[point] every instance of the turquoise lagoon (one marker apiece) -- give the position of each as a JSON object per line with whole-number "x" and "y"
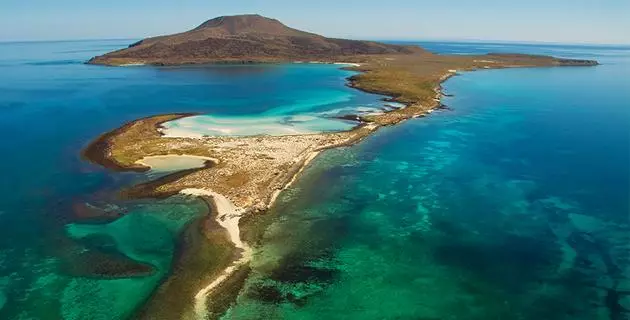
{"x": 511, "y": 205}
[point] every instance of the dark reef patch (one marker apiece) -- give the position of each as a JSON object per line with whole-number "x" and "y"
{"x": 297, "y": 272}
{"x": 510, "y": 261}
{"x": 103, "y": 260}
{"x": 86, "y": 212}
{"x": 267, "y": 293}
{"x": 202, "y": 252}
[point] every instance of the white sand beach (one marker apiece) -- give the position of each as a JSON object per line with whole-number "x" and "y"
{"x": 228, "y": 217}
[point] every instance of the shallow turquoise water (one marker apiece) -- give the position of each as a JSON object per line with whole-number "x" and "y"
{"x": 54, "y": 265}
{"x": 210, "y": 125}
{"x": 297, "y": 106}
{"x": 512, "y": 205}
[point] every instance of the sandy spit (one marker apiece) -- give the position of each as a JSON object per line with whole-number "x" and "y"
{"x": 228, "y": 217}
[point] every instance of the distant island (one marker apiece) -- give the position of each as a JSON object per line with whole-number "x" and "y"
{"x": 252, "y": 39}
{"x": 246, "y": 38}
{"x": 244, "y": 175}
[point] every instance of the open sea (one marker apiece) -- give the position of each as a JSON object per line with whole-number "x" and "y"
{"x": 512, "y": 204}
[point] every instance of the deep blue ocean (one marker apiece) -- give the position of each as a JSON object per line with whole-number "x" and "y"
{"x": 512, "y": 204}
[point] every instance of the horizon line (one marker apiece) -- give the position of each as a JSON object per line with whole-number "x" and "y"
{"x": 464, "y": 40}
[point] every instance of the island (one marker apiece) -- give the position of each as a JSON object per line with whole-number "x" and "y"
{"x": 242, "y": 176}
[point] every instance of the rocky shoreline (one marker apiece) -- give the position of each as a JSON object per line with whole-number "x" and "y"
{"x": 99, "y": 151}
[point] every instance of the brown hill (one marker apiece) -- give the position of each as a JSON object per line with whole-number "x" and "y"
{"x": 247, "y": 38}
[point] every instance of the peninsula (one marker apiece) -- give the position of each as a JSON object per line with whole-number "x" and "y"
{"x": 244, "y": 175}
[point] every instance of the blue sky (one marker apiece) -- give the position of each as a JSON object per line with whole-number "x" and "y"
{"x": 569, "y": 21}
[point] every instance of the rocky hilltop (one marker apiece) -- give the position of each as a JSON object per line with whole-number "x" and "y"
{"x": 245, "y": 38}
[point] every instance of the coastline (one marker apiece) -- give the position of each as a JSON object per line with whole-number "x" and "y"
{"x": 228, "y": 217}
{"x": 229, "y": 214}
{"x": 99, "y": 152}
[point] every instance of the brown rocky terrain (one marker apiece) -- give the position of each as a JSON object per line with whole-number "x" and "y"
{"x": 244, "y": 38}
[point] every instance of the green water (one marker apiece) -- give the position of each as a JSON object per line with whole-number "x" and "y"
{"x": 512, "y": 205}
{"x": 146, "y": 235}
{"x": 57, "y": 264}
